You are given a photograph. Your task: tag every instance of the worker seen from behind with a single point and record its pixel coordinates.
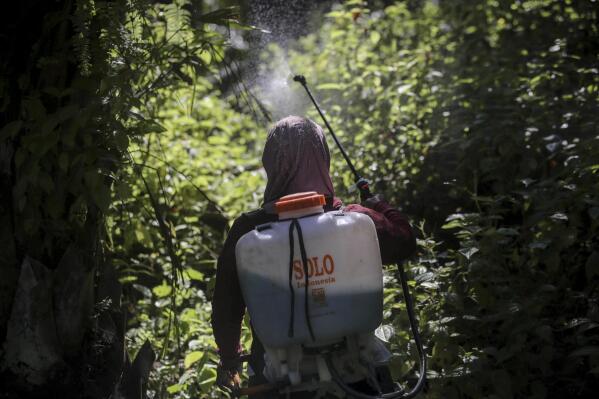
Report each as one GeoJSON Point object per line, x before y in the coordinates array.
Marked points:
{"type": "Point", "coordinates": [296, 159]}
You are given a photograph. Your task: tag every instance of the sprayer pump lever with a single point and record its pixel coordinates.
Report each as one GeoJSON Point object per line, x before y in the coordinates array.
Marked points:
{"type": "Point", "coordinates": [361, 183]}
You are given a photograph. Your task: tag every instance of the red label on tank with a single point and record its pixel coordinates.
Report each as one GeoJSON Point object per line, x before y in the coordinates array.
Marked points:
{"type": "Point", "coordinates": [316, 268]}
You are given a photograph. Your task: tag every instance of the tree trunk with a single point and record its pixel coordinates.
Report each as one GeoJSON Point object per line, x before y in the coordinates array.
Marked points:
{"type": "Point", "coordinates": [60, 320]}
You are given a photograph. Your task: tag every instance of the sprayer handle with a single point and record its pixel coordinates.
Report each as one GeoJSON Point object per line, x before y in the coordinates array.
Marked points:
{"type": "Point", "coordinates": [363, 185]}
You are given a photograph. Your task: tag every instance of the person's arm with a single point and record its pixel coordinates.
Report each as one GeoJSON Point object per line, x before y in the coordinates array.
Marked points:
{"type": "Point", "coordinates": [228, 306]}
{"type": "Point", "coordinates": [396, 238]}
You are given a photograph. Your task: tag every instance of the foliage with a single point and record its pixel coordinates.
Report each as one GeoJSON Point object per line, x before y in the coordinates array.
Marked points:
{"type": "Point", "coordinates": [185, 178]}
{"type": "Point", "coordinates": [77, 108]}
{"type": "Point", "coordinates": [480, 121]}
{"type": "Point", "coordinates": [63, 137]}
{"type": "Point", "coordinates": [201, 154]}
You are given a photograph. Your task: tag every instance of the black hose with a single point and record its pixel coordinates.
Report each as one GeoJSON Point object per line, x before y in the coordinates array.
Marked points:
{"type": "Point", "coordinates": [422, 356]}
{"type": "Point", "coordinates": [414, 327]}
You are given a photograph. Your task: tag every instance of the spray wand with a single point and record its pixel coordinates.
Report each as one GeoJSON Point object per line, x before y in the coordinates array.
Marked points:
{"type": "Point", "coordinates": [362, 185]}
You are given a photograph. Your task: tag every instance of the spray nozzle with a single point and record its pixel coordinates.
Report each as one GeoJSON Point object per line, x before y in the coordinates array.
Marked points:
{"type": "Point", "coordinates": [300, 78]}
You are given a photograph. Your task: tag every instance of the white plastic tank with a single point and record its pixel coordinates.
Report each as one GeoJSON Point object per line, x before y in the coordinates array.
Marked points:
{"type": "Point", "coordinates": [345, 286]}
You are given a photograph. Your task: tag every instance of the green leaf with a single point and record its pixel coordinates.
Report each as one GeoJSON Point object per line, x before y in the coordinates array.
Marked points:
{"type": "Point", "coordinates": [162, 291]}
{"type": "Point", "coordinates": [192, 357]}
{"type": "Point", "coordinates": [452, 225]}
{"type": "Point", "coordinates": [206, 57]}
{"type": "Point", "coordinates": [127, 279]}
{"type": "Point", "coordinates": [454, 220]}
{"type": "Point", "coordinates": [193, 274]}
{"type": "Point", "coordinates": [375, 37]}
{"type": "Point", "coordinates": [174, 388]}
{"type": "Point", "coordinates": [207, 377]}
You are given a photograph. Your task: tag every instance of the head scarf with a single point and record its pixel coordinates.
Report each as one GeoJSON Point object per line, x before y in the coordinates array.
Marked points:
{"type": "Point", "coordinates": [296, 159]}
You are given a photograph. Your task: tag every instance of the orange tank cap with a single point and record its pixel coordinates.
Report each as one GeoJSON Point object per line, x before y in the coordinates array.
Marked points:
{"type": "Point", "coordinates": [297, 201]}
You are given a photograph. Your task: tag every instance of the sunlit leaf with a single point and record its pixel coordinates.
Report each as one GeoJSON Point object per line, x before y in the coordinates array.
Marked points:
{"type": "Point", "coordinates": [192, 357]}
{"type": "Point", "coordinates": [194, 274]}
{"type": "Point", "coordinates": [162, 291]}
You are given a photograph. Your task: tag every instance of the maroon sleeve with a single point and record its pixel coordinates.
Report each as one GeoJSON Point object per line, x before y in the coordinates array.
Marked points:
{"type": "Point", "coordinates": [396, 238]}
{"type": "Point", "coordinates": [228, 306]}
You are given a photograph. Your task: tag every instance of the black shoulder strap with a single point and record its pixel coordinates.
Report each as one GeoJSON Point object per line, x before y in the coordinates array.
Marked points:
{"type": "Point", "coordinates": [256, 217]}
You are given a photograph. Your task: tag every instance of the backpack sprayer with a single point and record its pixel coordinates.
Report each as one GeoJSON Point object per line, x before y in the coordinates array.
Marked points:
{"type": "Point", "coordinates": [318, 277]}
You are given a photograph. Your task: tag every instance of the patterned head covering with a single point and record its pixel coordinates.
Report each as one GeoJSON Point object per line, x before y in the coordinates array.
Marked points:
{"type": "Point", "coordinates": [296, 158]}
